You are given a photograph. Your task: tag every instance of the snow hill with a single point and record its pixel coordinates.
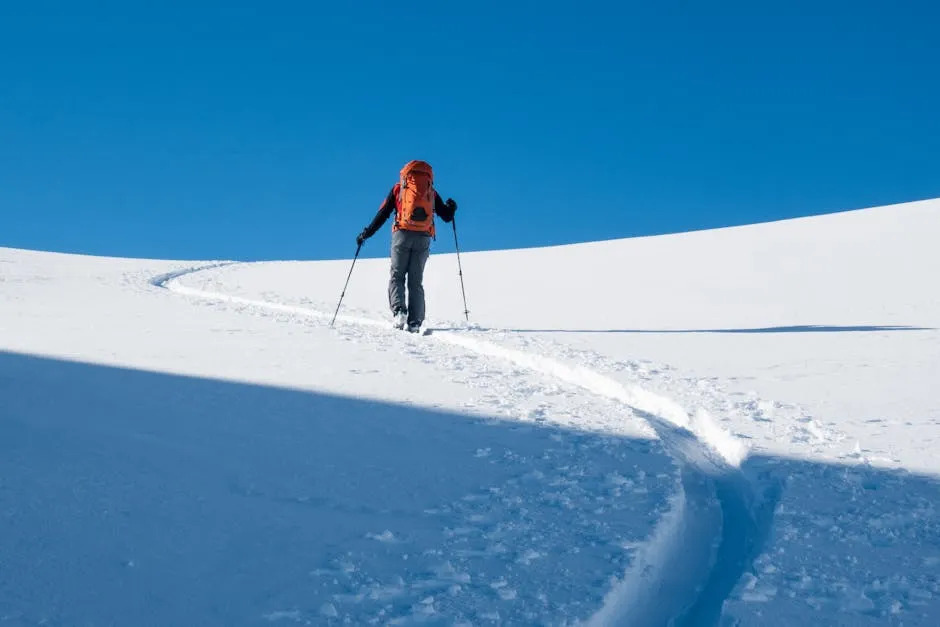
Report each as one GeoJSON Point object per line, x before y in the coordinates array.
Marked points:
{"type": "Point", "coordinates": [728, 427]}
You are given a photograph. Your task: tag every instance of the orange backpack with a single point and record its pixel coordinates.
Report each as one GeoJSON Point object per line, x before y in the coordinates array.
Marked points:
{"type": "Point", "coordinates": [415, 206]}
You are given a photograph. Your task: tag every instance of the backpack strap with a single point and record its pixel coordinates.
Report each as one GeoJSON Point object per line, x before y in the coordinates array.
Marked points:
{"type": "Point", "coordinates": [399, 202]}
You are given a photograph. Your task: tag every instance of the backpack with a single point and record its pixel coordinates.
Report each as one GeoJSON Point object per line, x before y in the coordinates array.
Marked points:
{"type": "Point", "coordinates": [416, 198]}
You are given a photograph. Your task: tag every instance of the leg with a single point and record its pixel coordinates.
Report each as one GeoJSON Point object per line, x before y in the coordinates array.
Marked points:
{"type": "Point", "coordinates": [421, 249]}
{"type": "Point", "coordinates": [401, 256]}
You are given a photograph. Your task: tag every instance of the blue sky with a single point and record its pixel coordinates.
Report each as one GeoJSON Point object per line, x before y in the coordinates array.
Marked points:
{"type": "Point", "coordinates": [205, 130]}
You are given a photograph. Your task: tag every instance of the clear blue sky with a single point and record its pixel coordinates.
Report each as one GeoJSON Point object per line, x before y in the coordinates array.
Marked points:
{"type": "Point", "coordinates": [272, 130]}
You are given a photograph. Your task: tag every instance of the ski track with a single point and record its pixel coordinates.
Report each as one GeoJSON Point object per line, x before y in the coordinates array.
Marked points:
{"type": "Point", "coordinates": [163, 280]}
{"type": "Point", "coordinates": [714, 530]}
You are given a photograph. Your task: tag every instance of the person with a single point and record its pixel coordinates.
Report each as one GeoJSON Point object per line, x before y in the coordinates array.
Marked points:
{"type": "Point", "coordinates": [414, 203]}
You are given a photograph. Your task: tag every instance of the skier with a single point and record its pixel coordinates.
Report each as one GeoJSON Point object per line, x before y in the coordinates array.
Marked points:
{"type": "Point", "coordinates": [415, 202]}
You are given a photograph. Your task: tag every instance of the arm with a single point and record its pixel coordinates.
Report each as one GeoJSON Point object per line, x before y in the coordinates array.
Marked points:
{"type": "Point", "coordinates": [445, 210]}
{"type": "Point", "coordinates": [385, 212]}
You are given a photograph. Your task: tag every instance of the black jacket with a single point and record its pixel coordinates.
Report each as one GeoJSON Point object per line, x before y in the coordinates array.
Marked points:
{"type": "Point", "coordinates": [387, 208]}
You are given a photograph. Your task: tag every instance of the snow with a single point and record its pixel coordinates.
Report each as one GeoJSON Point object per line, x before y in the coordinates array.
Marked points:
{"type": "Point", "coordinates": [733, 426]}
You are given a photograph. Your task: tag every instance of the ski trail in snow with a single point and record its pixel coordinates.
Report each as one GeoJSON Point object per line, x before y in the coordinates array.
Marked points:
{"type": "Point", "coordinates": [719, 519]}
{"type": "Point", "coordinates": [732, 451]}
{"type": "Point", "coordinates": [163, 280]}
{"type": "Point", "coordinates": [700, 549]}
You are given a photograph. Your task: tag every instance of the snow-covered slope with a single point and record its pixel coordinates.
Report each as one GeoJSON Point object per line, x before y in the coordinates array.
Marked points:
{"type": "Point", "coordinates": [728, 425]}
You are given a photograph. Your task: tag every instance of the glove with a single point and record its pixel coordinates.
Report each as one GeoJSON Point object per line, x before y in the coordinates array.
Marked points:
{"type": "Point", "coordinates": [451, 204]}
{"type": "Point", "coordinates": [361, 238]}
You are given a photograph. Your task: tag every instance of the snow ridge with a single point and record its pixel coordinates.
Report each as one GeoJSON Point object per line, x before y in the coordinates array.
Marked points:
{"type": "Point", "coordinates": [719, 518]}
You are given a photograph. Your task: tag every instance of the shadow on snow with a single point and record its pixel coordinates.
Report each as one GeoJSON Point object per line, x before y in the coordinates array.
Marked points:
{"type": "Point", "coordinates": [144, 498]}
{"type": "Point", "coordinates": [134, 498]}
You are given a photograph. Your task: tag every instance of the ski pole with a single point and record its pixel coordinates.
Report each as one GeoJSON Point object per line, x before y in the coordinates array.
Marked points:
{"type": "Point", "coordinates": [466, 312]}
{"type": "Point", "coordinates": [358, 248]}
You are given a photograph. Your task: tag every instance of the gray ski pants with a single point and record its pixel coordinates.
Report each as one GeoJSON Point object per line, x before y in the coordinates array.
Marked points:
{"type": "Point", "coordinates": [410, 251]}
